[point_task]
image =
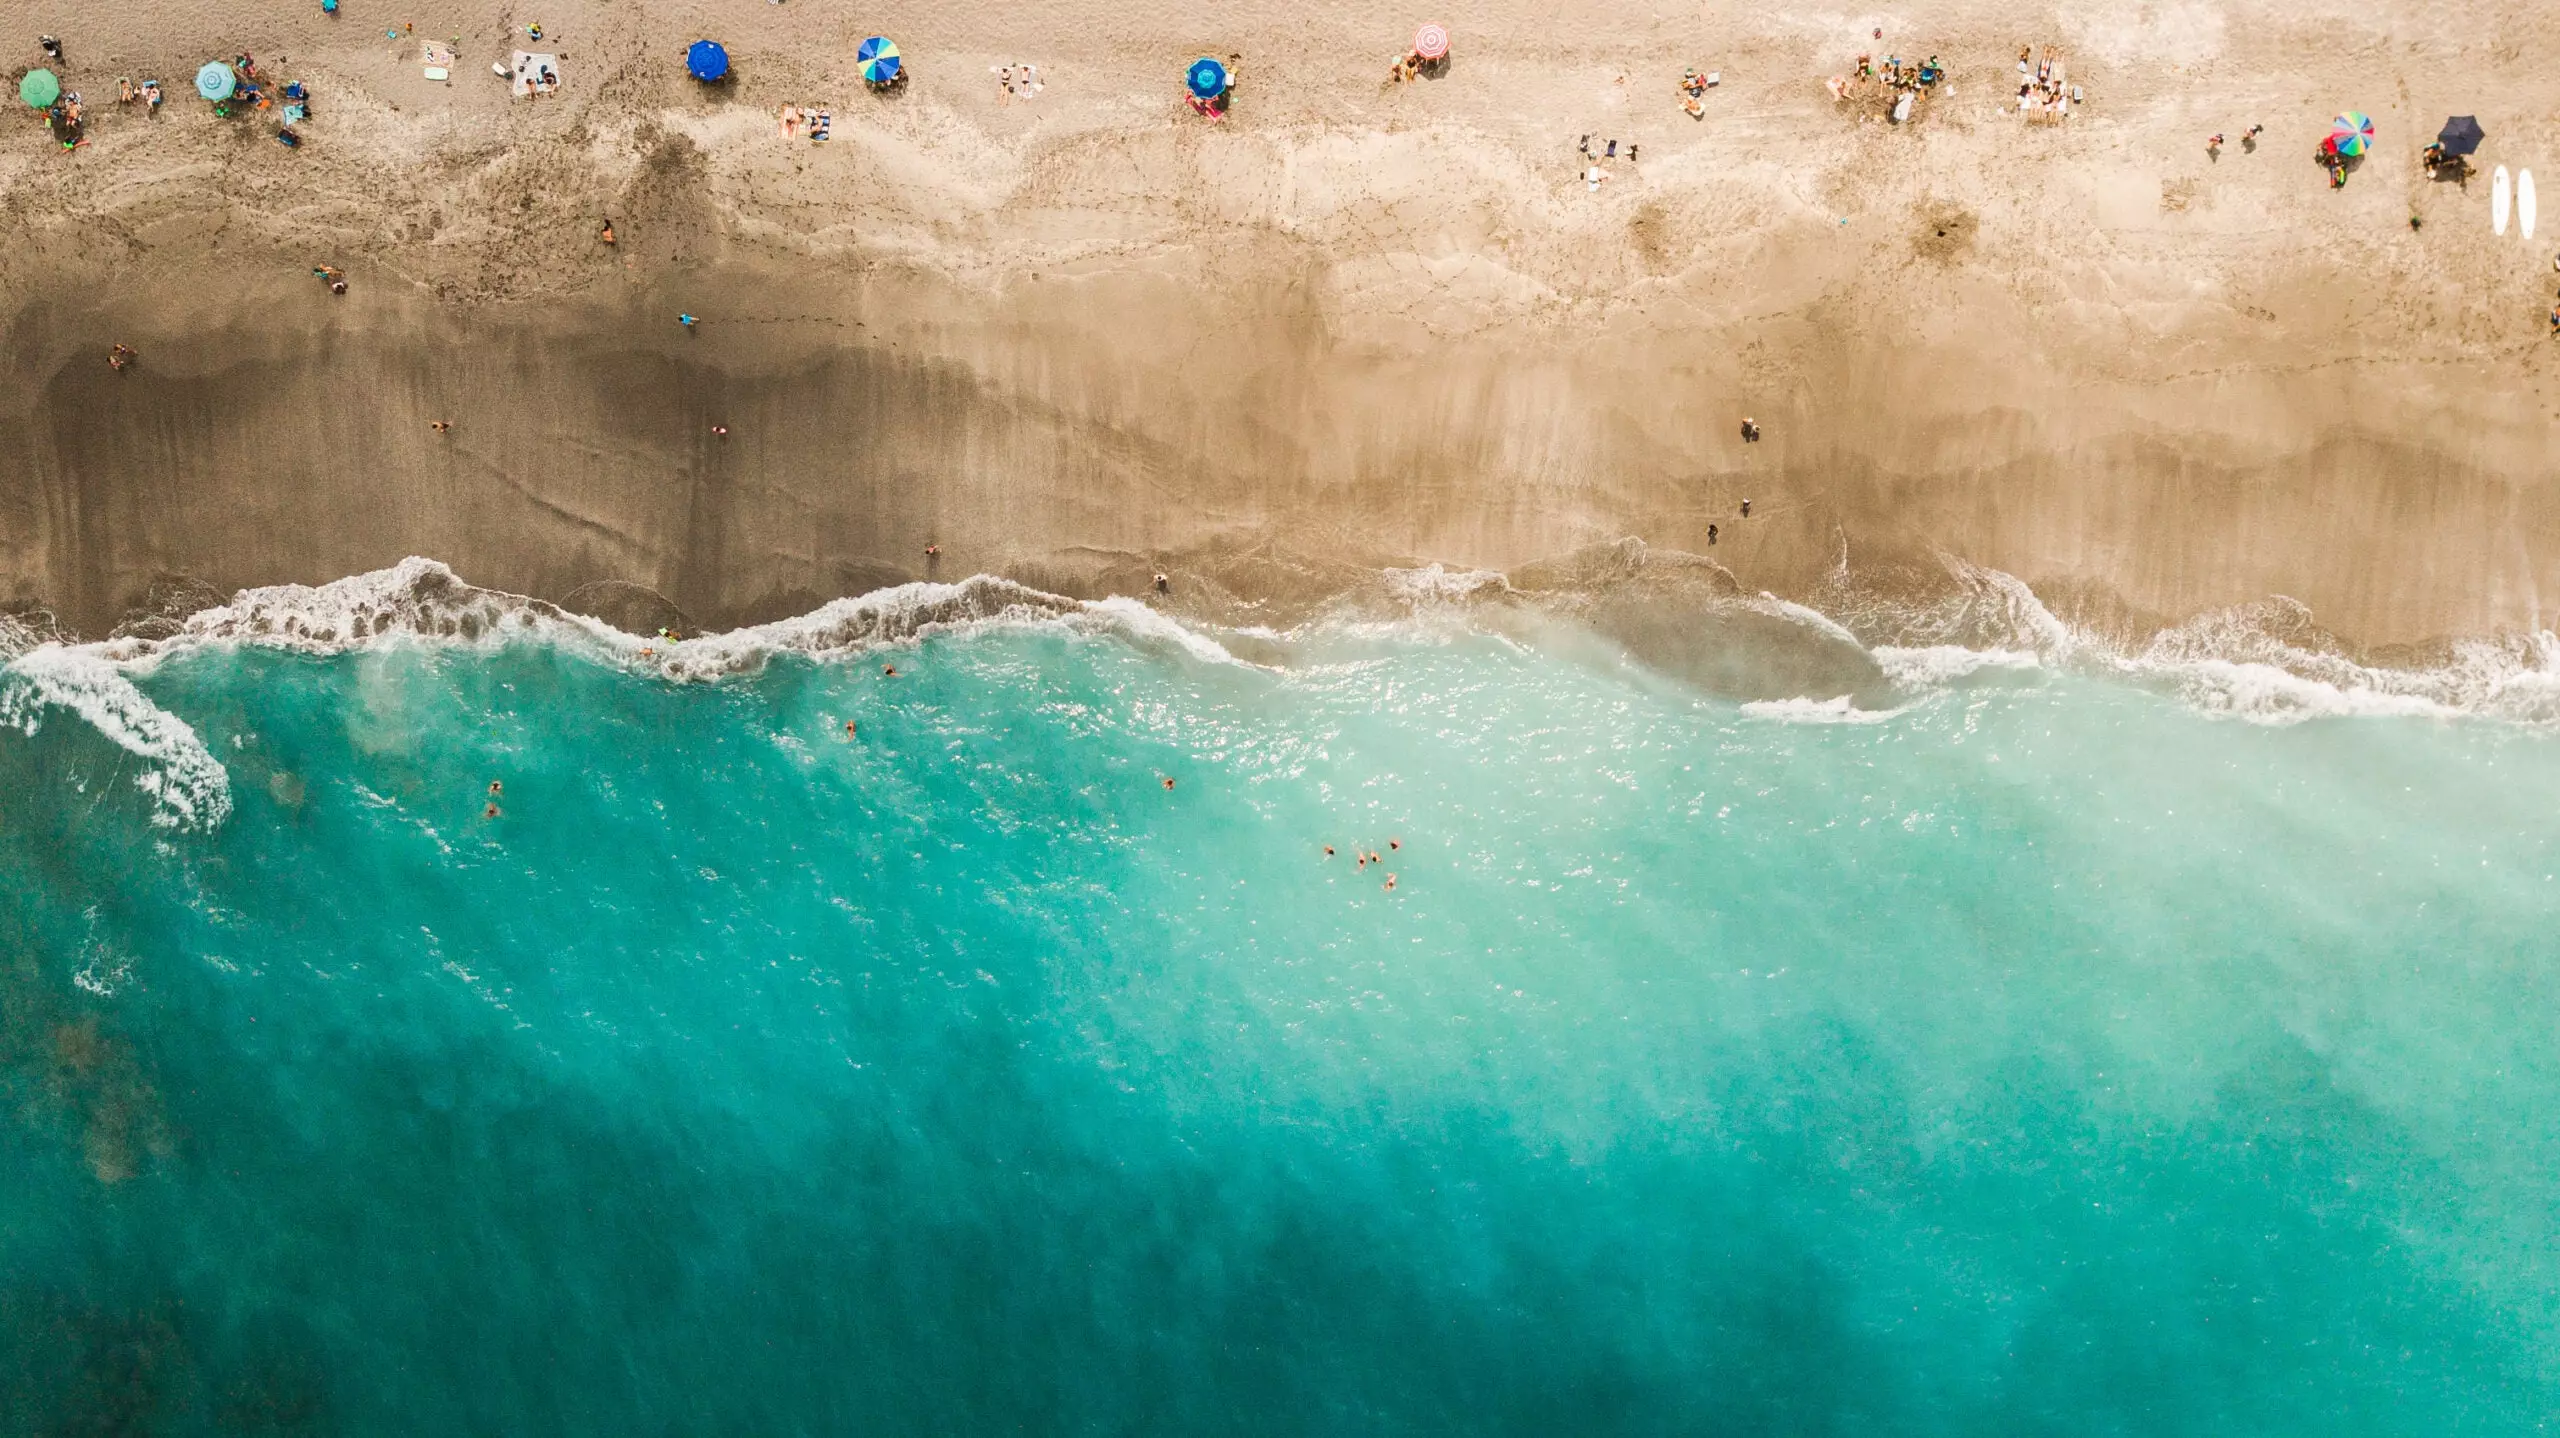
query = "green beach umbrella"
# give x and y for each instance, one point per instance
(40, 89)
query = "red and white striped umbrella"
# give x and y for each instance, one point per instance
(1431, 42)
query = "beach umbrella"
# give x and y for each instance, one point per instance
(2351, 133)
(879, 57)
(704, 60)
(215, 81)
(1207, 78)
(2461, 135)
(40, 89)
(1431, 41)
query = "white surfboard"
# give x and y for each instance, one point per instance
(2524, 202)
(2498, 197)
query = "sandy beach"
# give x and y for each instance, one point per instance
(1087, 335)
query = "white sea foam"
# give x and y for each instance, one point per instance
(1435, 584)
(421, 600)
(188, 786)
(1800, 710)
(1934, 666)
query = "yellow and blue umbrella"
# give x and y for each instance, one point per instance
(216, 82)
(2351, 133)
(879, 57)
(1207, 78)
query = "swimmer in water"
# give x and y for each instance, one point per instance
(1168, 781)
(1328, 851)
(1395, 843)
(889, 671)
(496, 787)
(848, 728)
(489, 813)
(1391, 882)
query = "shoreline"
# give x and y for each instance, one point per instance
(1868, 656)
(1347, 329)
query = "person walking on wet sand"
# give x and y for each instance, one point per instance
(1750, 430)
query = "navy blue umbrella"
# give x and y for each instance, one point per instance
(2461, 135)
(706, 61)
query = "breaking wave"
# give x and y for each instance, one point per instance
(2263, 663)
(188, 787)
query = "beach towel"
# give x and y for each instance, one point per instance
(527, 70)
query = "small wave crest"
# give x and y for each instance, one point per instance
(1839, 709)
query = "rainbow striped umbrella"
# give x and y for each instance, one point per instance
(2351, 133)
(1431, 41)
(1207, 78)
(879, 60)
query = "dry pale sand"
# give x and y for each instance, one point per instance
(1082, 337)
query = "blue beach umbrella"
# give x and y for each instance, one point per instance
(215, 81)
(1207, 78)
(879, 59)
(706, 61)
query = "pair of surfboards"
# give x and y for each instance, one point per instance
(2518, 196)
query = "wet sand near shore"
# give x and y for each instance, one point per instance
(1082, 338)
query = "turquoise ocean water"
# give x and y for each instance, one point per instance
(2045, 1056)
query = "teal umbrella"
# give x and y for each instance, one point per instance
(40, 89)
(215, 81)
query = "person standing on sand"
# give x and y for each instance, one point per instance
(606, 234)
(1746, 509)
(1711, 536)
